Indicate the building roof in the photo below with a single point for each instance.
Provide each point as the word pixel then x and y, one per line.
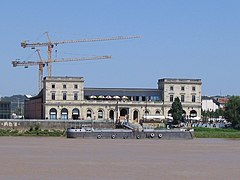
pixel 121 91
pixel 222 100
pixel 180 80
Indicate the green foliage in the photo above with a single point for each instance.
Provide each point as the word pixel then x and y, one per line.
pixel 201 132
pixel 33 131
pixel 213 114
pixel 9 132
pixel 177 111
pixel 232 111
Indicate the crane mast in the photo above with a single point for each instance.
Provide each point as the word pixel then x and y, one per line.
pixel 40 72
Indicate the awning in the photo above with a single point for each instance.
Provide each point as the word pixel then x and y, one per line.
pixel 124 97
pixel 153 117
pixel 116 97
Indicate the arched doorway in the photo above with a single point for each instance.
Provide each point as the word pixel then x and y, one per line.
pixel 170 112
pixel 135 115
pixel 123 112
pixel 111 114
pixel 100 114
pixel 184 113
pixel 193 113
pixel 64 113
pixel 146 112
pixel 75 113
pixel 53 113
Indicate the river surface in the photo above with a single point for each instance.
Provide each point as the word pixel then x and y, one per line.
pixel 61 158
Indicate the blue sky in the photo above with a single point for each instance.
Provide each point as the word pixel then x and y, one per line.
pixel 181 39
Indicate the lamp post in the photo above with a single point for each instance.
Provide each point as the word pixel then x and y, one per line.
pixel 116 120
pixel 146 109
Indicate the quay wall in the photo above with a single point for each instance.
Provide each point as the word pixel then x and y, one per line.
pixel 26 124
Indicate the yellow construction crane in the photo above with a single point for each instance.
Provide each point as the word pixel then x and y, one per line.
pixel 51 45
pixel 42 64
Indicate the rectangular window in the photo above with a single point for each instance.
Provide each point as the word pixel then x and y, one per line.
pixel 53 96
pixel 182 88
pixel 75 86
pixel 193 88
pixel 53 86
pixel 193 98
pixel 171 88
pixel 182 98
pixel 64 96
pixel 75 96
pixel 64 86
pixel 171 98
pixel 137 98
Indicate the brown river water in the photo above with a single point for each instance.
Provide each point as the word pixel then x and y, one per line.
pixel 62 158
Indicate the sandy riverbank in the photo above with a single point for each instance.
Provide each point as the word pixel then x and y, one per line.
pixel 61 158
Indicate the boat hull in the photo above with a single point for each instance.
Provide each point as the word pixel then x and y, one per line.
pixel 128 134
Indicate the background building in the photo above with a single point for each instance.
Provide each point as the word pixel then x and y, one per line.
pixel 67 98
pixel 5 110
pixel 208 104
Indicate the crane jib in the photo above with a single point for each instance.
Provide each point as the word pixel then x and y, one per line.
pixel 50 45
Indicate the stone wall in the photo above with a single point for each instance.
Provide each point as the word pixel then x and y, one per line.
pixel 22 124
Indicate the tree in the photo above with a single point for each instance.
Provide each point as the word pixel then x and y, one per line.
pixel 232 111
pixel 177 111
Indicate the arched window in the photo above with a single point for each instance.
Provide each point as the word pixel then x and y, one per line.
pixel 157 112
pixel 100 114
pixel 64 113
pixel 53 113
pixel 89 114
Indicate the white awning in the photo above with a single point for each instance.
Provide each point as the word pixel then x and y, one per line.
pixel 93 97
pixel 153 117
pixel 116 97
pixel 124 97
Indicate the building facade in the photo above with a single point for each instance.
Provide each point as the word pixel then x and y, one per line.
pixel 67 98
pixel 187 90
pixel 209 104
pixel 5 110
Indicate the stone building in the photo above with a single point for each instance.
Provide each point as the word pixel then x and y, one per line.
pixel 188 91
pixel 67 98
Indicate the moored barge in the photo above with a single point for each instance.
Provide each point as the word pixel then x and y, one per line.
pixel 129 134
